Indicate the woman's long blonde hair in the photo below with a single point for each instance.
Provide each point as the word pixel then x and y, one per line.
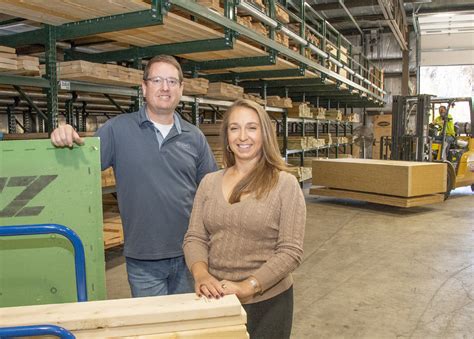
pixel 265 175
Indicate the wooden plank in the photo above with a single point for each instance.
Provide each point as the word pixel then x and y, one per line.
pixel 397 178
pixel 378 198
pixel 228 332
pixel 121 313
pixel 9 50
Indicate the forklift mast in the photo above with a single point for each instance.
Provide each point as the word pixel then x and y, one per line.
pixel 410 119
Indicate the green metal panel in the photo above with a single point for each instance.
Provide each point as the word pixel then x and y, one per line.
pixel 40 269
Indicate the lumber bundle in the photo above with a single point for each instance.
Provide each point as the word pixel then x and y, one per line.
pixel 318 112
pixel 341 140
pixel 281 14
pixel 113 230
pixel 276 101
pixel 108 177
pixel 18 64
pixel 282 39
pixel 307 161
pixel 301 173
pixel 327 137
pixel 333 114
pixel 98 73
pixel 195 86
pixel 255 97
pixel 210 129
pixel 258 27
pixel 354 117
pixel 300 110
pixel 245 21
pixel 224 91
pixel 216 148
pixel 400 179
pixel 172 316
pixel 259 4
pixel 302 143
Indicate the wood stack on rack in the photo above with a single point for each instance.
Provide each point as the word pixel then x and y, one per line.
pixel 341 140
pixel 258 27
pixel 300 110
pixel 214 142
pixel 98 73
pixel 108 177
pixel 224 91
pixel 259 4
pixel 302 143
pixel 113 230
pixel 333 114
pixel 195 86
pixel 307 162
pixel 332 50
pixel 281 14
pixel 210 129
pixel 312 142
pixel 327 138
pixel 276 101
pixel 397 183
pixel 18 64
pixel 301 173
pixel 376 77
pixel 171 316
pixel 245 21
pixel 282 39
pixel 254 97
pixel 318 112
pixel 354 117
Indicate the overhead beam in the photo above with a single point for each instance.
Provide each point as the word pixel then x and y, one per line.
pixel 348 3
pixel 266 60
pixel 256 75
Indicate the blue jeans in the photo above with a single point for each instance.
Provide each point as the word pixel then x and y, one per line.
pixel 149 278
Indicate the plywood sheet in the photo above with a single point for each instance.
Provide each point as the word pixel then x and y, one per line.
pixel 397 178
pixel 378 198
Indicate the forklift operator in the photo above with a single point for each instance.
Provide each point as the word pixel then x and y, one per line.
pixel 450 132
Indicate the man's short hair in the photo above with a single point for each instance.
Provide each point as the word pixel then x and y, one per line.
pixel 167 59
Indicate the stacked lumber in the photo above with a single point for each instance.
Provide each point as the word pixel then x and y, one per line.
pixel 282 39
pixel 8 59
pixel 224 91
pixel 276 101
pixel 301 173
pixel 210 129
pixel 108 177
pixel 195 86
pixel 212 4
pixel 312 38
pixel 281 14
pixel 113 230
pixel 318 113
pixel 307 161
pixel 327 138
pixel 353 117
pixel 397 183
pixel 341 140
pixel 300 110
pixel 172 316
pixel 216 148
pixel 302 143
pixel 245 21
pixel 258 27
pixel 333 114
pixel 98 73
pixel 259 4
pixel 254 97
pixel 18 64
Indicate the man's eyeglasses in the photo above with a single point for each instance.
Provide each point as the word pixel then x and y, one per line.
pixel 158 81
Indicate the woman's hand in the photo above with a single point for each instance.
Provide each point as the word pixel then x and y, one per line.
pixel 243 289
pixel 204 283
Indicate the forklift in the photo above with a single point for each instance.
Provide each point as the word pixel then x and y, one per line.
pixel 415 139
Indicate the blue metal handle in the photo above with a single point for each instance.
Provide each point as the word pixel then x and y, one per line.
pixel 79 256
pixel 35 330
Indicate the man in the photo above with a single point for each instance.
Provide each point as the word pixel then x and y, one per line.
pixel 159 160
pixel 450 133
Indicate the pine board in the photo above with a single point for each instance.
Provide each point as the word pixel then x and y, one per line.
pixel 159 314
pixel 378 198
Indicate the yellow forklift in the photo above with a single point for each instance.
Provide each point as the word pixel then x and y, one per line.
pixel 413 139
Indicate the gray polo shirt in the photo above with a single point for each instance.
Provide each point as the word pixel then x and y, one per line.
pixel 155 185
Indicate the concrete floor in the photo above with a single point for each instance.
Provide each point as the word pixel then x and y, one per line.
pixel 373 271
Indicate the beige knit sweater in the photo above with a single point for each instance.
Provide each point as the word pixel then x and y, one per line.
pixel 262 238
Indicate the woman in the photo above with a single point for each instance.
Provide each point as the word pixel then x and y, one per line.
pixel 246 230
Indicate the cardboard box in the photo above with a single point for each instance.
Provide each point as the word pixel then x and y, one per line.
pixel 398 178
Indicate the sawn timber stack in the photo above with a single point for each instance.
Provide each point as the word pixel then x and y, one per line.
pixel 396 183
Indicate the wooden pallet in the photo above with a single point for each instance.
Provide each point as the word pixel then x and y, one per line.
pixel 378 198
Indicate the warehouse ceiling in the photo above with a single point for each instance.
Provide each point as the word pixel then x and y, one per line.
pixel 368 13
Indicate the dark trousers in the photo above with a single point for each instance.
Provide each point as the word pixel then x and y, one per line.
pixel 271 318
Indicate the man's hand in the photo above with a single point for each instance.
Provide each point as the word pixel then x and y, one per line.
pixel 65 136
